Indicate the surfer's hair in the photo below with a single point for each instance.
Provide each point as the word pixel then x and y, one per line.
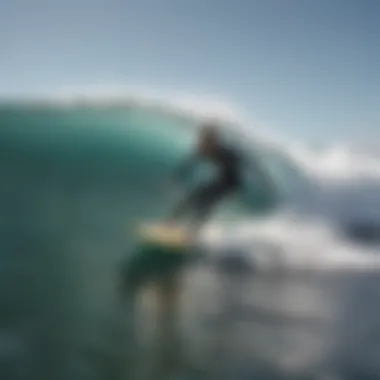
pixel 209 129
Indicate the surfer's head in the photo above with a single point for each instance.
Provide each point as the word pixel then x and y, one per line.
pixel 208 137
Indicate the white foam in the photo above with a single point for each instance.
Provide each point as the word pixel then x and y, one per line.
pixel 171 101
pixel 290 242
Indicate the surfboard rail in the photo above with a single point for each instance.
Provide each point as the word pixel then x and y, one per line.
pixel 171 236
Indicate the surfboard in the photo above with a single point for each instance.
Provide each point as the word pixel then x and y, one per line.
pixel 165 235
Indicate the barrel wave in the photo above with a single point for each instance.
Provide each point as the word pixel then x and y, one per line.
pixel 76 181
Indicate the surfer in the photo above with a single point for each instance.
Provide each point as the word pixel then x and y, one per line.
pixel 230 165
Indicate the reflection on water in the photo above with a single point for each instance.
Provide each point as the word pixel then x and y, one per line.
pixel 62 240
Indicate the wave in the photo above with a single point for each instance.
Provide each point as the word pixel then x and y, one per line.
pixel 92 160
pixel 340 180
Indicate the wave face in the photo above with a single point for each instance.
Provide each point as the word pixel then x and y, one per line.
pixel 76 179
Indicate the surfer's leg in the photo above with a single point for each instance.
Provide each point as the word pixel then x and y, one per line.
pixel 203 200
pixel 208 199
pixel 181 209
pixel 197 196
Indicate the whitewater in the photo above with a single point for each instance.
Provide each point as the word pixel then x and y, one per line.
pixel 81 166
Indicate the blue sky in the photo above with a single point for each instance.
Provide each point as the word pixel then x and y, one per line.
pixel 309 68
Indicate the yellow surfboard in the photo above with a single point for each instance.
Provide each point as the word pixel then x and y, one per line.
pixel 165 235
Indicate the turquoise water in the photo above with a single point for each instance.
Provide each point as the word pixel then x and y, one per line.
pixel 75 182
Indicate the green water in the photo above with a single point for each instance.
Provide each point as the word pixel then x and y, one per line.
pixel 75 181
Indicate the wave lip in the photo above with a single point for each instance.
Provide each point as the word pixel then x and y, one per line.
pixel 175 102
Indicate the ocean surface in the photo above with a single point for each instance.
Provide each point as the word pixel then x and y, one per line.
pixel 77 178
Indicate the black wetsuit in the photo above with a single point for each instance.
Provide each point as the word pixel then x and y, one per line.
pixel 204 198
